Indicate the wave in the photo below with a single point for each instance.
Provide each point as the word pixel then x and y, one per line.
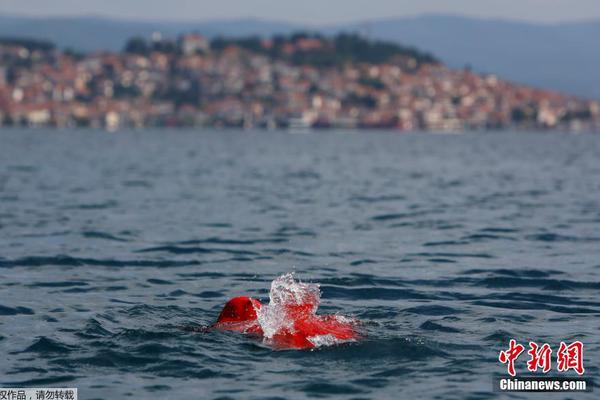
pixel 4 310
pixel 68 261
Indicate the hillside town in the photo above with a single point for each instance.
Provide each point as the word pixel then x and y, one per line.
pixel 299 81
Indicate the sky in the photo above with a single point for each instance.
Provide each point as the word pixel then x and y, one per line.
pixel 308 11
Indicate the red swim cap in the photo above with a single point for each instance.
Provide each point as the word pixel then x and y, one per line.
pixel 239 309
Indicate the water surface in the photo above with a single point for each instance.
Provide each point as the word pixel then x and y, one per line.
pixel 446 246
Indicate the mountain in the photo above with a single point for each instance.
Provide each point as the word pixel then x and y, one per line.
pixel 555 56
pixel 99 33
pixel 561 56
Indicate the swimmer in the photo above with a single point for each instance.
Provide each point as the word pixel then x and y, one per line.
pixel 289 321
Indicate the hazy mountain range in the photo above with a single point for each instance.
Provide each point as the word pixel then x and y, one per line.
pixel 556 56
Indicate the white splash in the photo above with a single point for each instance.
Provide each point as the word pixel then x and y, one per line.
pixel 325 340
pixel 286 291
pixel 331 340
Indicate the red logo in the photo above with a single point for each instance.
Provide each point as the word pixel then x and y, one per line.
pixel 540 357
pixel 571 357
pixel 510 356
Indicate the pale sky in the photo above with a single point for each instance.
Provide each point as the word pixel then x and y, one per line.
pixel 307 11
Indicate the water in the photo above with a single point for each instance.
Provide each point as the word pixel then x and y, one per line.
pixel 444 246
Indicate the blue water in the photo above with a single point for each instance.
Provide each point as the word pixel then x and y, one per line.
pixel 445 246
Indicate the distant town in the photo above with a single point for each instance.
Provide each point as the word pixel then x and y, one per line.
pixel 298 81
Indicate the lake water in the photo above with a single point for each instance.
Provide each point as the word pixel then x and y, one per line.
pixel 445 246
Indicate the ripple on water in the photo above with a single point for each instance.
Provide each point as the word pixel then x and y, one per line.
pixel 382 348
pixel 103 236
pixel 94 330
pixel 555 237
pixel 92 206
pixel 197 250
pixel 433 310
pixel 45 345
pixel 434 326
pixel 48 381
pixel 372 293
pixel 68 261
pixel 4 310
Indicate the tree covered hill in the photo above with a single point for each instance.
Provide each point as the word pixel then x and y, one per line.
pixel 302 48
